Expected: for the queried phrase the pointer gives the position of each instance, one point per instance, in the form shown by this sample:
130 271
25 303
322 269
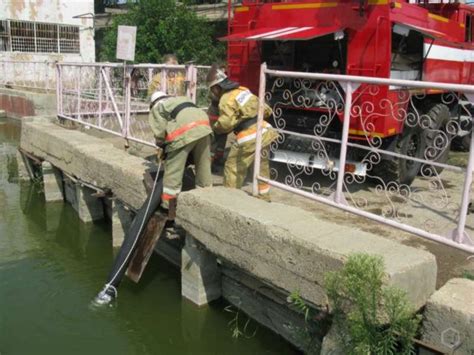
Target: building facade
47 30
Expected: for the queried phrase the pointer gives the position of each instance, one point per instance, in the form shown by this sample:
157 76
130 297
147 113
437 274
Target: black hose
125 253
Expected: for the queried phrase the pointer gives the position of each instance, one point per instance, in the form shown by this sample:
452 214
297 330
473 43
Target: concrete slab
290 248
89 158
449 317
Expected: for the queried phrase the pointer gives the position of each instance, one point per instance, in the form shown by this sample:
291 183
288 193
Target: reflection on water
52 265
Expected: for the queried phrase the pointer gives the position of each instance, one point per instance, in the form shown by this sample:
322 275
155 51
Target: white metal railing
34 75
344 162
114 97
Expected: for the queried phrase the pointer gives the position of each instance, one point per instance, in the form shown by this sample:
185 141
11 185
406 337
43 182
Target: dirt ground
429 204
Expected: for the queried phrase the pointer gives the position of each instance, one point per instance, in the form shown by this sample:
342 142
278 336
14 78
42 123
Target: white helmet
215 76
157 95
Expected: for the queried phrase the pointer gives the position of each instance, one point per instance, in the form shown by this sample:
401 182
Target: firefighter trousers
240 158
175 165
218 150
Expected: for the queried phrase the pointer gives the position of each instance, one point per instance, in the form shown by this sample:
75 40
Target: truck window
468 26
407 54
319 55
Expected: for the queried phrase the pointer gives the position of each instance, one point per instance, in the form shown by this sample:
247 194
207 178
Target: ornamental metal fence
114 97
31 75
395 151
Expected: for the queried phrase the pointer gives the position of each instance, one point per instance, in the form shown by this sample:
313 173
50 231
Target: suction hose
109 293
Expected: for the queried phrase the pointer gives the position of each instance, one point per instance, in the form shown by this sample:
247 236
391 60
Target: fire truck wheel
403 171
461 144
437 146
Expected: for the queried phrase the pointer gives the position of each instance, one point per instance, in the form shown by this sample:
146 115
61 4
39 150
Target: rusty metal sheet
145 247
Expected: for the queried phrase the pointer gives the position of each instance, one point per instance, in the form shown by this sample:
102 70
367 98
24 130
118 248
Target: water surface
52 265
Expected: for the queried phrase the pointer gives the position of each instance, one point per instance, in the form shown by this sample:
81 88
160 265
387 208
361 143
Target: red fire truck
396 39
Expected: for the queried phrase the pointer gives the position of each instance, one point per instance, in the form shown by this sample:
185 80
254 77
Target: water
52 265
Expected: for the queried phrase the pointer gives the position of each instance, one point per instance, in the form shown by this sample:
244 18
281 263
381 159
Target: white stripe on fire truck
272 32
448 53
296 30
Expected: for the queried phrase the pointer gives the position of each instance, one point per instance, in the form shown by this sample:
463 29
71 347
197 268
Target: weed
374 319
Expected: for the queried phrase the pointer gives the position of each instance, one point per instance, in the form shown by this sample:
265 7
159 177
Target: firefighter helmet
157 95
215 76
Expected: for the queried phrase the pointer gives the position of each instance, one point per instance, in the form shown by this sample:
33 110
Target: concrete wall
292 249
17 103
54 11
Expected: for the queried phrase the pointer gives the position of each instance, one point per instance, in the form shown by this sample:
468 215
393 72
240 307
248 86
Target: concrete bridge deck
251 252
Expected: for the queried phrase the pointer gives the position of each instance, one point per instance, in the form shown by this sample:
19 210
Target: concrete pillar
52 182
25 168
69 190
194 322
200 276
88 207
53 216
121 220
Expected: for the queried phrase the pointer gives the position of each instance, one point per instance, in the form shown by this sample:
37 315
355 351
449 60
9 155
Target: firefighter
175 79
220 140
180 129
238 109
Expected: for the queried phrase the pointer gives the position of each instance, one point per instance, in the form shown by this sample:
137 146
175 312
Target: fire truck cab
395 39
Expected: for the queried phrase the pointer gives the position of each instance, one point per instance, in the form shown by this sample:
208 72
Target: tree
164 26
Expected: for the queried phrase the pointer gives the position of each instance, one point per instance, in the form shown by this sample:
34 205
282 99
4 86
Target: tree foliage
164 26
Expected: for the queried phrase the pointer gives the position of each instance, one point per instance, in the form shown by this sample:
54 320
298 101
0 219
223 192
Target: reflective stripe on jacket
182 130
189 125
237 106
251 133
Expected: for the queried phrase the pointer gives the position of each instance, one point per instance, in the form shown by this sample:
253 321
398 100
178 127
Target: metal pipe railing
113 97
341 179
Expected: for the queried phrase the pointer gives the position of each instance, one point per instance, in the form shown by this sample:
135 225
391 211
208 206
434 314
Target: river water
52 265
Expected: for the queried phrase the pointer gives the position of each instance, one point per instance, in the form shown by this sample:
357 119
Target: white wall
56 11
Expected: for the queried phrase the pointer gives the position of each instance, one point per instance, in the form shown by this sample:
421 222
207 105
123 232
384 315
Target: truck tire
439 119
461 144
403 171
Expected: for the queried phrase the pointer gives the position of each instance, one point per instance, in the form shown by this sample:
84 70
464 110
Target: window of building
4 38
38 37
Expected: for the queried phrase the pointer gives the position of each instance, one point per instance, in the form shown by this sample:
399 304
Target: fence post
47 76
59 91
79 94
100 96
339 196
128 95
459 232
150 77
164 80
258 142
191 78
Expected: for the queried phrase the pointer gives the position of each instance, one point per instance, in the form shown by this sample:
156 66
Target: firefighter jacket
175 84
189 125
237 106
